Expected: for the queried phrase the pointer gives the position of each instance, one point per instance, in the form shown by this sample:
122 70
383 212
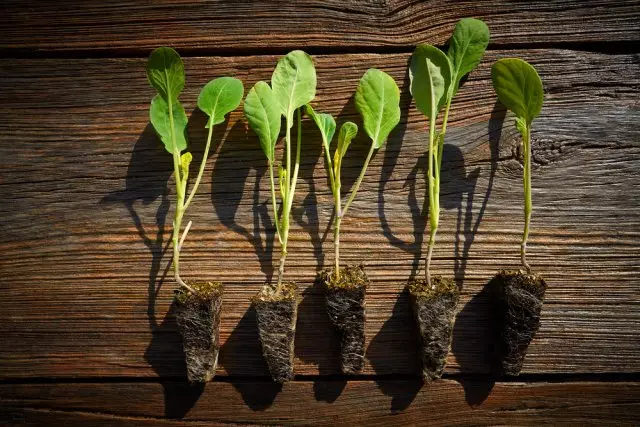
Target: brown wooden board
86 212
127 26
382 403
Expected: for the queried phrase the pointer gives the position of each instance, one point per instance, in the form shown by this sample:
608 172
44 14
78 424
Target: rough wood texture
382 403
128 26
86 211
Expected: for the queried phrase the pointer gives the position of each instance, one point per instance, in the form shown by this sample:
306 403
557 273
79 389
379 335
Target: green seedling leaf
282 181
262 111
220 97
430 74
325 123
466 47
165 72
294 83
377 100
519 87
185 161
348 131
159 116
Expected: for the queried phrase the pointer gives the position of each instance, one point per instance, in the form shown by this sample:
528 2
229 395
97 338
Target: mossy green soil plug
378 101
198 303
521 292
293 85
435 79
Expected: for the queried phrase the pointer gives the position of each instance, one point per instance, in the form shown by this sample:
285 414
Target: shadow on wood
237 353
383 352
230 172
418 212
320 342
474 322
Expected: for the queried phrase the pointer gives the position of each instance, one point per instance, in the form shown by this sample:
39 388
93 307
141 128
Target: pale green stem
526 139
274 202
201 171
177 222
434 199
288 199
356 186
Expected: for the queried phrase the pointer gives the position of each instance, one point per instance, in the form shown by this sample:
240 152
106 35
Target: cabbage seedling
519 88
199 304
378 101
435 79
293 85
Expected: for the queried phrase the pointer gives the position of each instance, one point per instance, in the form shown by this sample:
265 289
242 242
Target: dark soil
277 312
434 311
518 309
198 319
346 309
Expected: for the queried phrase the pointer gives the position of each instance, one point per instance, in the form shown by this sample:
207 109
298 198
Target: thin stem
434 202
527 196
201 171
184 235
274 202
336 245
358 182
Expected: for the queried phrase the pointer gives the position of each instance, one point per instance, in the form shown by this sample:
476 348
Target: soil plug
521 293
378 101
198 303
293 85
435 79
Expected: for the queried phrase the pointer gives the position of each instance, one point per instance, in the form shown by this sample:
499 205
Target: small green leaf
466 47
165 72
325 123
430 74
348 131
185 161
378 101
220 97
519 87
159 115
294 83
263 114
282 181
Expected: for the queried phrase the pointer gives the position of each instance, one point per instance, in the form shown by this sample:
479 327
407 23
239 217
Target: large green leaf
325 123
519 87
430 74
220 97
159 115
378 101
294 83
263 114
466 47
165 72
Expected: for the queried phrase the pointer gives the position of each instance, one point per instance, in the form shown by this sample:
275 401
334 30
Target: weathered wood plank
85 196
444 403
127 26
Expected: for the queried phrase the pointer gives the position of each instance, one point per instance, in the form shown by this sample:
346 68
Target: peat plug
198 312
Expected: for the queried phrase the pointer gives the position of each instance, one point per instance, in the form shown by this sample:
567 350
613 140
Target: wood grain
382 403
86 211
129 26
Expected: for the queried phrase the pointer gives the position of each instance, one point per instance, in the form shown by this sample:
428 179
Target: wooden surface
85 315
